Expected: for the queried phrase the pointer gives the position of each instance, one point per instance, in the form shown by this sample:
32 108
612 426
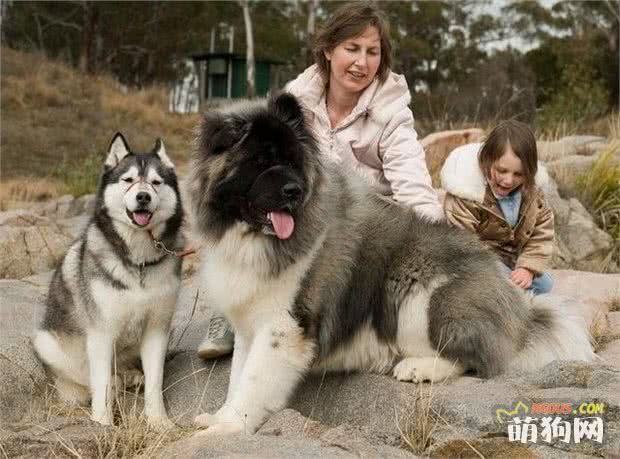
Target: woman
359 110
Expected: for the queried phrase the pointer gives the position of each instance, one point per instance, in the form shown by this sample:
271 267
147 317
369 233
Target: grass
79 176
613 303
599 191
16 191
54 118
416 429
130 436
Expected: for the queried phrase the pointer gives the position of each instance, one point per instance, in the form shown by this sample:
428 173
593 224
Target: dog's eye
156 182
128 180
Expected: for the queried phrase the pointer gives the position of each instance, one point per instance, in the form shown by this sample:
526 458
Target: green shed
223 76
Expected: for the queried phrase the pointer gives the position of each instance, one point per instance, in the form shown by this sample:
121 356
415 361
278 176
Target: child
491 190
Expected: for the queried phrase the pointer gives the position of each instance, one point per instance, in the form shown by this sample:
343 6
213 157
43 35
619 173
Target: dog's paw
160 423
104 418
422 369
224 428
406 370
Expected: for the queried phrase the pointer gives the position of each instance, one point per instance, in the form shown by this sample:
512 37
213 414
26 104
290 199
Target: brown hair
521 140
349 21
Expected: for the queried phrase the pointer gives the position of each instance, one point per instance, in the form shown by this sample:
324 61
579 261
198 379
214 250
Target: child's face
506 173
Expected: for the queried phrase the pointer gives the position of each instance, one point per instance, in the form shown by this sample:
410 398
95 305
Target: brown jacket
470 204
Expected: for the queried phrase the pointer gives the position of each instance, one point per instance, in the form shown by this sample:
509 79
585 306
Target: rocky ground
330 414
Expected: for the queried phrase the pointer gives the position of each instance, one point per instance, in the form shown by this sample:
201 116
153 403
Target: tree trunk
89 36
310 29
249 39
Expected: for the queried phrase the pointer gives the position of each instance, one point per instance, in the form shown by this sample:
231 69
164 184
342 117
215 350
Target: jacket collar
461 175
379 101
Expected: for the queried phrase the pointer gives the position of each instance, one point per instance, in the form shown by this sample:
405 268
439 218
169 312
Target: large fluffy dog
111 299
313 269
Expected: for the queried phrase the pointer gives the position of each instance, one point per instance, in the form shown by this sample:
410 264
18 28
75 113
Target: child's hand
522 277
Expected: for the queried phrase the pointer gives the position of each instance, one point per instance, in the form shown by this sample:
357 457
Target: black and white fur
111 300
361 284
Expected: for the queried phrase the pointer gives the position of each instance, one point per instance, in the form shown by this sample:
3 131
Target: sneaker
219 341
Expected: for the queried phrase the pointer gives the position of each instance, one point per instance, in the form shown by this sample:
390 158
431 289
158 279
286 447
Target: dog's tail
556 331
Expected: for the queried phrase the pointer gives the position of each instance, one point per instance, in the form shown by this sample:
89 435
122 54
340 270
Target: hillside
57 122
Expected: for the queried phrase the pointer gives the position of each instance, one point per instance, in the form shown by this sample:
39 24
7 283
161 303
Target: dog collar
161 246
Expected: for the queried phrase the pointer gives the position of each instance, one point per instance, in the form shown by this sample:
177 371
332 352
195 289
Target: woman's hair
350 21
521 140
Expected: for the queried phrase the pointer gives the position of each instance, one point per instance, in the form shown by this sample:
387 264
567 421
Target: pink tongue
283 224
142 218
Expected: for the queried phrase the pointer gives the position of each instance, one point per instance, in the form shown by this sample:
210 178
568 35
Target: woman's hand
522 277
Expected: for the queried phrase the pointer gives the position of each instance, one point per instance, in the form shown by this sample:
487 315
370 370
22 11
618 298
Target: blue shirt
510 206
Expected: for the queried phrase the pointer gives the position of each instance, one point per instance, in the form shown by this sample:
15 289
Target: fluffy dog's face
139 190
251 167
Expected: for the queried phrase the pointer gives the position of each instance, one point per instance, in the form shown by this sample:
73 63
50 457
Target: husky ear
220 132
160 151
287 108
117 150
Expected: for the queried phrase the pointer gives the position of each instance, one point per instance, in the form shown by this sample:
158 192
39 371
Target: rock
575 374
29 244
259 446
570 146
67 206
610 354
23 379
579 243
568 169
438 146
592 290
58 437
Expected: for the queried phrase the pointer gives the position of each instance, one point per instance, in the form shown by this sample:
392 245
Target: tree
249 60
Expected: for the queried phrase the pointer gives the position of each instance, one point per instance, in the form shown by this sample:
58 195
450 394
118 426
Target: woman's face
355 61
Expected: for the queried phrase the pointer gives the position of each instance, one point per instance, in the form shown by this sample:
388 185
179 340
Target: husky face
252 168
139 190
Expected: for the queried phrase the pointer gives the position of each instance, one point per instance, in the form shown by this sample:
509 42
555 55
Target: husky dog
313 269
111 300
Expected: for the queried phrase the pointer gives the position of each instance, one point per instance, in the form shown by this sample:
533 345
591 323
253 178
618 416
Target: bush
599 191
80 176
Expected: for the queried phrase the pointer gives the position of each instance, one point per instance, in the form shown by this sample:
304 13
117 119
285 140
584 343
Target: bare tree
313 5
249 40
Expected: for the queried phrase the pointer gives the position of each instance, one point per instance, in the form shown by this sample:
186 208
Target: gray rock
568 169
570 146
58 437
23 379
30 245
255 446
579 243
67 206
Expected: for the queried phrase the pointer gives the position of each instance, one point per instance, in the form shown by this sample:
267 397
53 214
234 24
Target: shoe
219 341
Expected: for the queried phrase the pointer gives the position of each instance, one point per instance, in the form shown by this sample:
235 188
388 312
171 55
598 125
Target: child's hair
520 138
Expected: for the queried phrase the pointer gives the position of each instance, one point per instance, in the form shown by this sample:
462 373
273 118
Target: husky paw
225 422
224 428
160 423
102 418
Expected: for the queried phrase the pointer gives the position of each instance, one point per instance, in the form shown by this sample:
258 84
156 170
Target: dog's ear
160 150
117 150
219 132
286 107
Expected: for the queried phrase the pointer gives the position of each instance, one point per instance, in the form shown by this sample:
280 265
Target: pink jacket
377 139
